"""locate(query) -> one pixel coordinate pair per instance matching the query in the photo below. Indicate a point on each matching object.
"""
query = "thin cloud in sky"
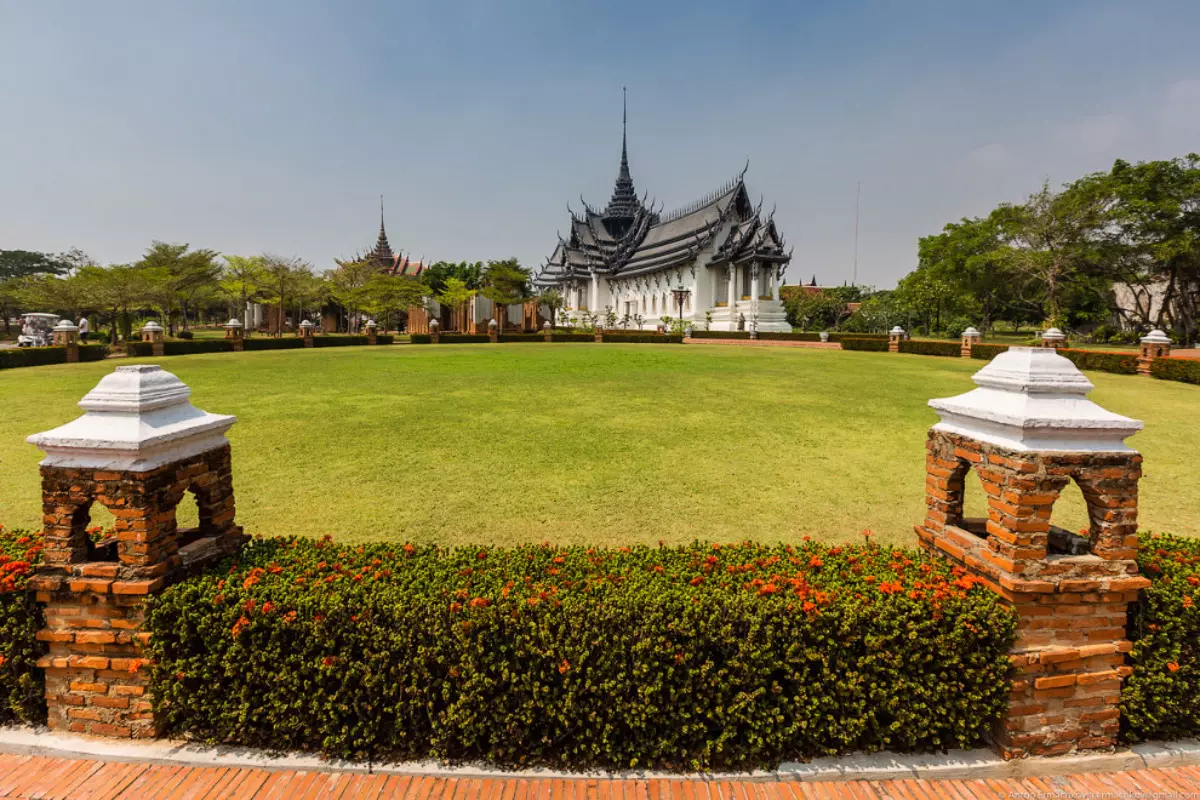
(274, 126)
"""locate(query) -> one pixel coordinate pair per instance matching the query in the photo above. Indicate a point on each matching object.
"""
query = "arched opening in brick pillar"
(1070, 522)
(966, 499)
(92, 534)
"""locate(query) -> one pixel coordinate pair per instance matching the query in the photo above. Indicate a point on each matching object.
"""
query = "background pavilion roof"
(647, 241)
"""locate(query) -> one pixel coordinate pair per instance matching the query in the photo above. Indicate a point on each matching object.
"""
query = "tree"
(75, 259)
(16, 265)
(241, 278)
(280, 277)
(969, 256)
(348, 287)
(387, 295)
(554, 301)
(456, 294)
(1051, 240)
(1155, 217)
(119, 289)
(505, 283)
(436, 275)
(65, 294)
(178, 277)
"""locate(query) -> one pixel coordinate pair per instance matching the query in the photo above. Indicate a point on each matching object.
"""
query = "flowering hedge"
(1159, 700)
(695, 657)
(21, 685)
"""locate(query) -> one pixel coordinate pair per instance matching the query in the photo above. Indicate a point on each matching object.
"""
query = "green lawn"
(583, 443)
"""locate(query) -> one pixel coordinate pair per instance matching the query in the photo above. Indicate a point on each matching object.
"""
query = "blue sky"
(274, 126)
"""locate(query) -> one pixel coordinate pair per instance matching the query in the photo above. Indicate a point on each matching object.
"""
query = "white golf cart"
(35, 330)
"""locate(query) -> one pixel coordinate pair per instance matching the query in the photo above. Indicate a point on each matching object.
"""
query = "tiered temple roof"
(631, 238)
(388, 262)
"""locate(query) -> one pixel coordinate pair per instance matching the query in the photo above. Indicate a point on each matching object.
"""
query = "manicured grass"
(580, 443)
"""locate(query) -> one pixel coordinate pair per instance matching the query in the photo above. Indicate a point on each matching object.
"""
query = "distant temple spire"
(624, 205)
(382, 255)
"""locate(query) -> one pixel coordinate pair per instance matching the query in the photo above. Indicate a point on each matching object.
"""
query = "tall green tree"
(280, 278)
(1052, 240)
(386, 296)
(554, 302)
(436, 274)
(1155, 217)
(179, 277)
(456, 294)
(118, 291)
(241, 279)
(15, 265)
(506, 283)
(348, 287)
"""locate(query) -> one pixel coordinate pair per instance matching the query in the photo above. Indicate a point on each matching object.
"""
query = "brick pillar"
(306, 332)
(435, 332)
(493, 332)
(152, 332)
(1054, 338)
(64, 334)
(371, 329)
(1155, 344)
(895, 336)
(548, 332)
(93, 592)
(970, 338)
(1025, 434)
(234, 333)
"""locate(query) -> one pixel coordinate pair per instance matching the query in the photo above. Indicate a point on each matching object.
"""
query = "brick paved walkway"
(69, 779)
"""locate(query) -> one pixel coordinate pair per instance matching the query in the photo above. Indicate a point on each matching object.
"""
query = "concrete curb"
(860, 766)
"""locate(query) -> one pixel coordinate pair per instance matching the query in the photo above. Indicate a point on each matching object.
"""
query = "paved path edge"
(862, 766)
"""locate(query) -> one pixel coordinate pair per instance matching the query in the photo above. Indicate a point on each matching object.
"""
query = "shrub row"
(522, 337)
(1159, 700)
(1176, 369)
(572, 337)
(39, 356)
(385, 338)
(618, 337)
(720, 334)
(987, 352)
(463, 338)
(695, 657)
(1120, 363)
(877, 345)
(339, 340)
(928, 347)
(271, 343)
(22, 685)
(173, 347)
(420, 338)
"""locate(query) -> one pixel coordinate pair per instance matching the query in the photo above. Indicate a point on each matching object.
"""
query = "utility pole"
(857, 196)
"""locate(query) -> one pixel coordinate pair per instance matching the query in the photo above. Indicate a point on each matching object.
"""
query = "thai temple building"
(725, 254)
(387, 261)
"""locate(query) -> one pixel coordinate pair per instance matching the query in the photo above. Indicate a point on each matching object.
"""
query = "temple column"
(594, 302)
(732, 288)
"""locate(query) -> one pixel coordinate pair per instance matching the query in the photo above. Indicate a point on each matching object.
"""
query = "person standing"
(83, 328)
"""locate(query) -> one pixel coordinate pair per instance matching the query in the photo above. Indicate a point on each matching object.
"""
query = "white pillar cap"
(138, 418)
(1156, 337)
(970, 331)
(1054, 334)
(1031, 398)
(897, 331)
(370, 324)
(152, 326)
(546, 324)
(65, 326)
(491, 323)
(234, 322)
(433, 323)
(306, 324)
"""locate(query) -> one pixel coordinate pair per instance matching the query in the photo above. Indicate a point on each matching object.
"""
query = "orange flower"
(696, 581)
(1173, 667)
(1187, 601)
(815, 561)
(767, 588)
(563, 667)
